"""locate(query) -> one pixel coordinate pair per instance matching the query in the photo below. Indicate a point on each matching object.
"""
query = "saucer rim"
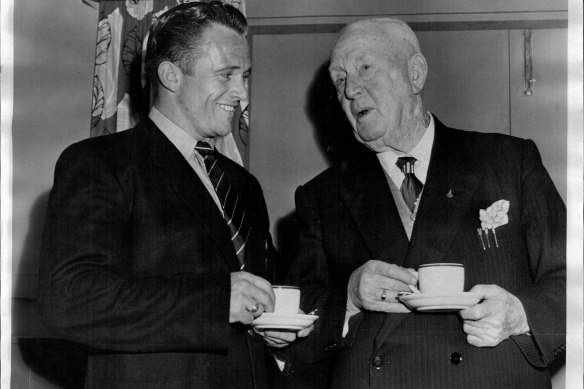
(415, 301)
(417, 296)
(266, 320)
(293, 316)
(280, 327)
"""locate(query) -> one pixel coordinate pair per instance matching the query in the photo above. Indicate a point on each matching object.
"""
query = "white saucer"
(273, 321)
(440, 302)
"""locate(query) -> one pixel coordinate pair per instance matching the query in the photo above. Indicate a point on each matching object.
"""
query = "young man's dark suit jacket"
(136, 262)
(347, 216)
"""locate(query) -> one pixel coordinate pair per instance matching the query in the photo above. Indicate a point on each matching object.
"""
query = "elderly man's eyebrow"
(335, 68)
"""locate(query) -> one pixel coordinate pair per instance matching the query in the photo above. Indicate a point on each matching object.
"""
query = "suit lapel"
(366, 194)
(187, 185)
(452, 179)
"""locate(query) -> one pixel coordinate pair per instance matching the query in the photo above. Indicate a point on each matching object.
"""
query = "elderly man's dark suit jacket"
(347, 216)
(136, 263)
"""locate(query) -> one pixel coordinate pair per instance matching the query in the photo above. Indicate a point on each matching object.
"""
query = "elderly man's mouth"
(362, 113)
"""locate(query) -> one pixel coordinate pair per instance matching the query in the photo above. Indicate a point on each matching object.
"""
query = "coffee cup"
(287, 299)
(441, 278)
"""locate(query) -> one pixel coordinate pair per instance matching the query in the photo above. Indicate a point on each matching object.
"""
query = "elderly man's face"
(373, 86)
(207, 100)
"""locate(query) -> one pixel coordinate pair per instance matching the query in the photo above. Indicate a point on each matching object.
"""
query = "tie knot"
(406, 164)
(204, 149)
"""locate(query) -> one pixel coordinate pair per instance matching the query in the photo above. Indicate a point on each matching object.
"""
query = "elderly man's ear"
(169, 76)
(418, 69)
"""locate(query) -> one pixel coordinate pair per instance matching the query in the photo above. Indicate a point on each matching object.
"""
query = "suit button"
(455, 358)
(377, 362)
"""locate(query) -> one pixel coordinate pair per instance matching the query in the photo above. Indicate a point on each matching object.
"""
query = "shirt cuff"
(351, 311)
(281, 364)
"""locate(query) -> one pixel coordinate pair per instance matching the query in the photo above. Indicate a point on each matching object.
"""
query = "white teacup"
(287, 299)
(441, 278)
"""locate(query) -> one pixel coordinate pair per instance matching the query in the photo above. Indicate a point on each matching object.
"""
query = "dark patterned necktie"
(411, 186)
(230, 199)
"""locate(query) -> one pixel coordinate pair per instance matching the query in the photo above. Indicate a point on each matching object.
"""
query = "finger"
(305, 332)
(246, 317)
(275, 345)
(275, 340)
(395, 272)
(476, 312)
(414, 272)
(260, 296)
(474, 341)
(381, 306)
(271, 342)
(470, 328)
(239, 306)
(282, 336)
(256, 310)
(482, 341)
(382, 282)
(484, 290)
(264, 285)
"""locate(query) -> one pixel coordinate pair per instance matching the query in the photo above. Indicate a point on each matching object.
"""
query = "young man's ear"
(169, 76)
(418, 70)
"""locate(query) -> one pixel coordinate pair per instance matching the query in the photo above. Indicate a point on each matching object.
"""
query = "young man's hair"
(175, 36)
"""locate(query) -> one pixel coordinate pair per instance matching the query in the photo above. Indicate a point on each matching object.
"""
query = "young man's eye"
(365, 67)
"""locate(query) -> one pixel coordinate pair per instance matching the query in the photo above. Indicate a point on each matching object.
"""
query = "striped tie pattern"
(233, 209)
(411, 186)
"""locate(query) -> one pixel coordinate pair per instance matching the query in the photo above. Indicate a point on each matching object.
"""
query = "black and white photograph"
(291, 194)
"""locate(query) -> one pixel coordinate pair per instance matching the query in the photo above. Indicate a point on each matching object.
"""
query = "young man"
(156, 248)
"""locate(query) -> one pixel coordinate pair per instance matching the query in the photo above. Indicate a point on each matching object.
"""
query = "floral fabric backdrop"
(120, 96)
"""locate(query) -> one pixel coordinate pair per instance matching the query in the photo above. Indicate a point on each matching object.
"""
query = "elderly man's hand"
(249, 292)
(496, 318)
(373, 281)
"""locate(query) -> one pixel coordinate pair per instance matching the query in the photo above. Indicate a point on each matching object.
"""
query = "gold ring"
(255, 308)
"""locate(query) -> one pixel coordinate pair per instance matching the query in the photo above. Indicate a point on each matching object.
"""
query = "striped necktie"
(411, 186)
(230, 199)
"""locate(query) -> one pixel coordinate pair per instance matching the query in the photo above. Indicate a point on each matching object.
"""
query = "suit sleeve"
(319, 290)
(86, 292)
(544, 230)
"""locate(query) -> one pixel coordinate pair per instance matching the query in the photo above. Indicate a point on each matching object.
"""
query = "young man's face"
(207, 100)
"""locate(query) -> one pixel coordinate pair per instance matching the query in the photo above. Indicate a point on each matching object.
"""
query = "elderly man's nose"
(352, 88)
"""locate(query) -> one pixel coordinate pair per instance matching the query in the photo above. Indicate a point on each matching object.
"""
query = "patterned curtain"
(120, 96)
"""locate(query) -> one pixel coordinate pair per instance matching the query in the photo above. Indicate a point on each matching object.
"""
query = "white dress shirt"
(185, 143)
(387, 159)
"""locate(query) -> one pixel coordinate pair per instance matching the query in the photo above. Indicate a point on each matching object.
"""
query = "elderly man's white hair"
(400, 35)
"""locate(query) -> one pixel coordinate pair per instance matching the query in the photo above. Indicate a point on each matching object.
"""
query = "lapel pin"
(449, 194)
(480, 233)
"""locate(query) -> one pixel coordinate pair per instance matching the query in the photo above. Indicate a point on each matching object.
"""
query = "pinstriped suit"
(136, 263)
(347, 216)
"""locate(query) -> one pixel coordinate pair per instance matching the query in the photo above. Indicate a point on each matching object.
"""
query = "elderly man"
(368, 223)
(156, 249)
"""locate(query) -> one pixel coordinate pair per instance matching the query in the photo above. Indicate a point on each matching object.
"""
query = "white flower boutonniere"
(491, 218)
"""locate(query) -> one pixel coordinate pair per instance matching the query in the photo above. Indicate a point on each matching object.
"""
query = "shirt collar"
(181, 139)
(421, 152)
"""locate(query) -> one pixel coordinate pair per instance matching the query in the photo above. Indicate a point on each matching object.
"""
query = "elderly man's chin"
(373, 139)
